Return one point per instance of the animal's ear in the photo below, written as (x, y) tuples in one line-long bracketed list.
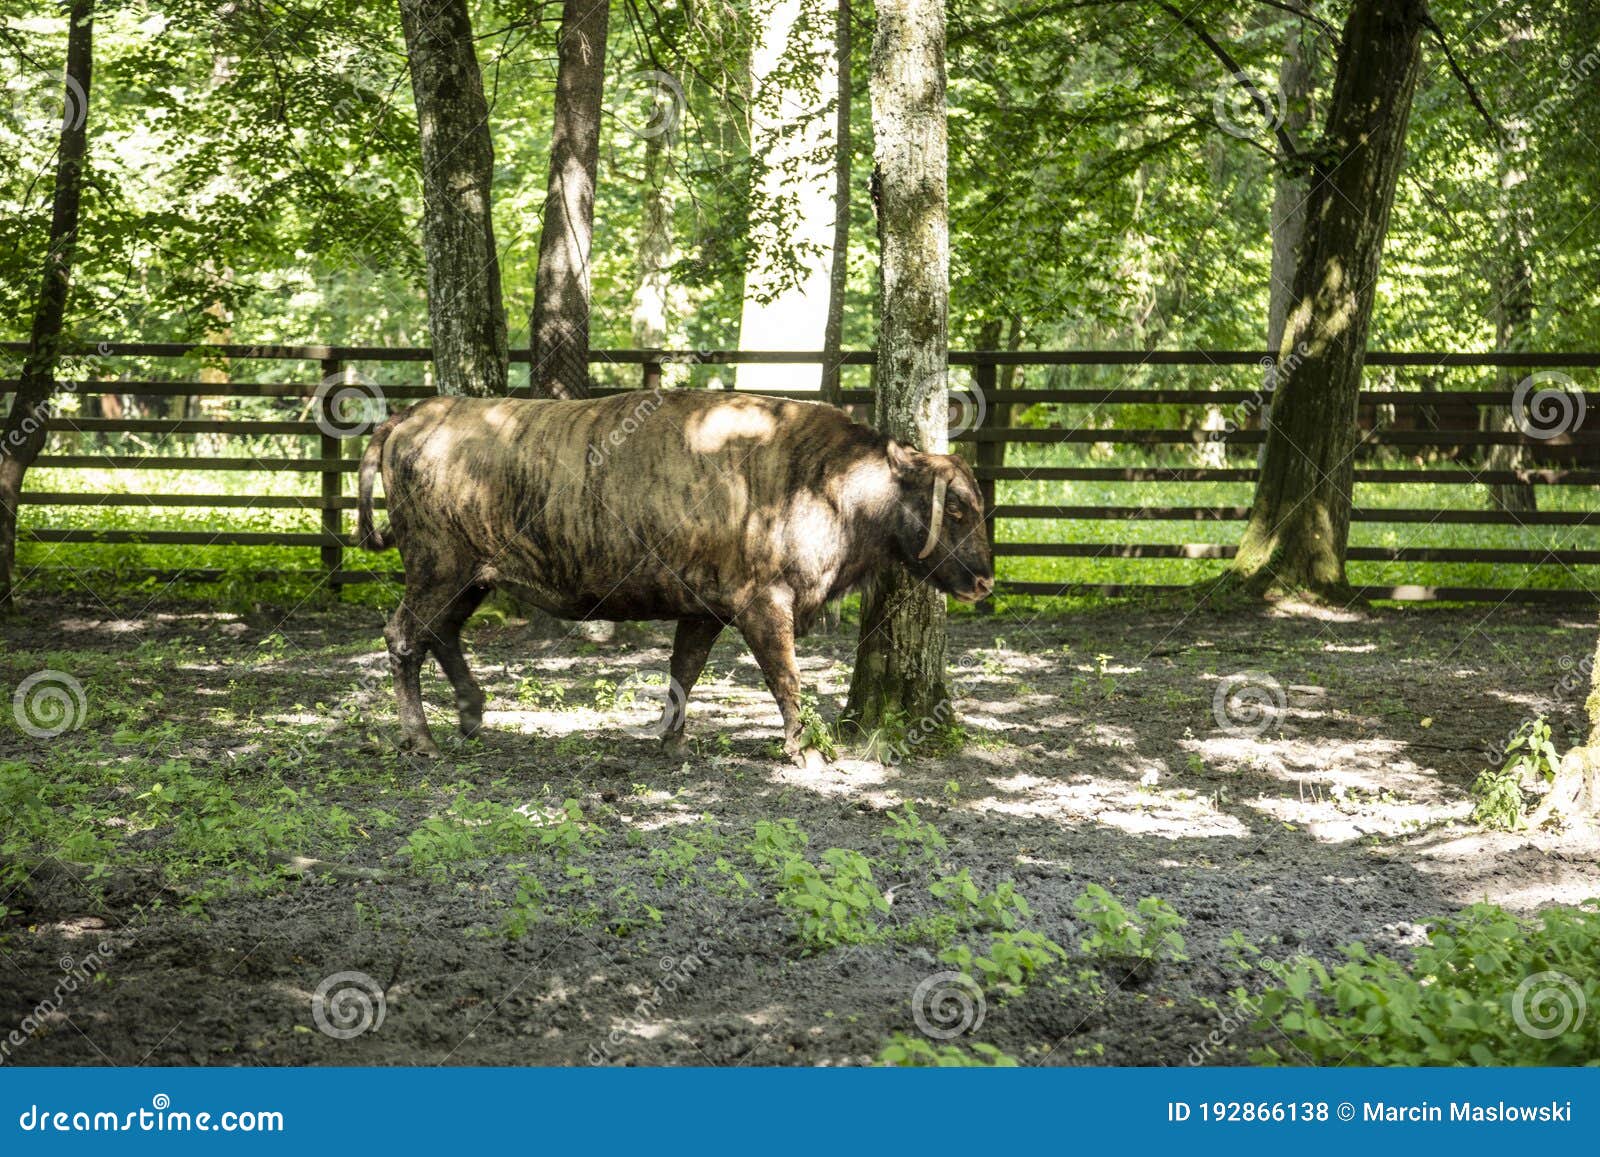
[(901, 459)]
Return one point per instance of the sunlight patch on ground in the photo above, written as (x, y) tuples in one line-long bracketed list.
[(1367, 765), (1115, 803), (848, 777), (1332, 820), (1533, 868)]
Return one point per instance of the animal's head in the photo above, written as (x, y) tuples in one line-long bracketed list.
[(939, 532)]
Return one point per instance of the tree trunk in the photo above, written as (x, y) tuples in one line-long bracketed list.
[(1513, 291), (839, 272), (787, 279), (465, 314), (1575, 794), (650, 299), (24, 432), (559, 327), (900, 657), (1300, 520), (1297, 84)]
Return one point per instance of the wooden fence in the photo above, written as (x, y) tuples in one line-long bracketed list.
[(1566, 455)]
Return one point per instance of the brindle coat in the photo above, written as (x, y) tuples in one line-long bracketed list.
[(710, 508)]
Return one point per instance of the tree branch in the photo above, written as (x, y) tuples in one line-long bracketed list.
[(1268, 113), (1432, 26)]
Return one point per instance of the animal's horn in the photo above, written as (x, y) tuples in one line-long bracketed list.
[(937, 517)]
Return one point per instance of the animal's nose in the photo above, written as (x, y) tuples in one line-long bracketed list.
[(983, 587)]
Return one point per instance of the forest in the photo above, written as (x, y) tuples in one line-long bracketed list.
[(916, 533)]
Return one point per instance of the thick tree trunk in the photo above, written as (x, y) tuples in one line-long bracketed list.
[(900, 658), (465, 314), (839, 272), (1300, 520), (24, 432), (1513, 291), (1297, 85), (559, 327)]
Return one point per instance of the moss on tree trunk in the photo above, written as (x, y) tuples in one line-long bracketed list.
[(465, 315), (900, 657)]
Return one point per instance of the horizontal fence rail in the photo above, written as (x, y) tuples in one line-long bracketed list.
[(1393, 422)]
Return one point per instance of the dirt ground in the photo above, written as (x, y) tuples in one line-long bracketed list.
[(1301, 778)]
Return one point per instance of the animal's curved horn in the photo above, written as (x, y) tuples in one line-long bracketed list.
[(936, 518)]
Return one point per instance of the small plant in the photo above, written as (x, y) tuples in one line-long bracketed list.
[(915, 841), (1530, 755), (814, 729), (835, 904), (975, 908), (1152, 937), (775, 842), (1012, 961), (910, 1052)]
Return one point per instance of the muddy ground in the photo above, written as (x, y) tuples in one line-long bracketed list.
[(1301, 778)]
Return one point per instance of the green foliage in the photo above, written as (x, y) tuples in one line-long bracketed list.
[(910, 1052), (1149, 934), (814, 729), (832, 905), (916, 842), (1498, 793), (974, 908), (1488, 988), (1010, 962), (472, 830)]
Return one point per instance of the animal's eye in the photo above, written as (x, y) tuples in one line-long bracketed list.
[(953, 512)]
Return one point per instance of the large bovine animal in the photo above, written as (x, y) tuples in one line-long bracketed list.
[(710, 508)]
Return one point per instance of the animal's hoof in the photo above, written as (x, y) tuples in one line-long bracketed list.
[(810, 758), (674, 745), (471, 726), (424, 748)]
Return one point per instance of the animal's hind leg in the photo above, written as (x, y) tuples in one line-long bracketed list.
[(406, 652), (691, 647), (444, 640)]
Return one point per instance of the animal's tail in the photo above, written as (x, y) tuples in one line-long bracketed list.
[(369, 537)]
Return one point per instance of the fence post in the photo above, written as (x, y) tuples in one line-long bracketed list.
[(990, 454), (651, 379), (332, 479)]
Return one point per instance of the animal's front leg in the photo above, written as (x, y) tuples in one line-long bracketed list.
[(768, 626), (691, 647)]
